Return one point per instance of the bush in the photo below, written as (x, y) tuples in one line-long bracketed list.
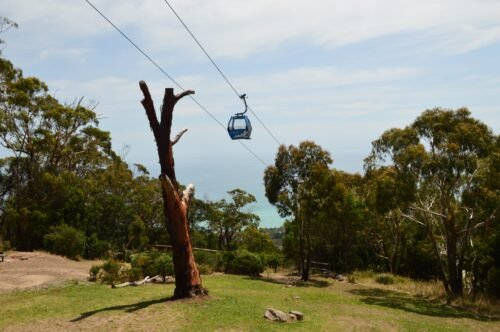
[(5, 245), (134, 274), (163, 265), (108, 272), (65, 240), (273, 260), (384, 279), (144, 262), (152, 263), (243, 262), (93, 272), (493, 282), (205, 269), (220, 262), (206, 258)]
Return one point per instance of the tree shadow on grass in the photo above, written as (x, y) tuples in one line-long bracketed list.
[(415, 304), (126, 308), (292, 281)]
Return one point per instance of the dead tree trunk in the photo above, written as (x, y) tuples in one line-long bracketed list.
[(187, 276)]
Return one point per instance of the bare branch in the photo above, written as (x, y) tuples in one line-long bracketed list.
[(413, 219), (470, 229), (427, 211), (183, 94), (480, 224), (149, 107), (178, 137)]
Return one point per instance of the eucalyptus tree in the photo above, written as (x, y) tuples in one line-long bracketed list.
[(5, 24), (48, 144), (288, 185), (388, 200), (340, 228), (439, 161), (227, 219), (256, 240)]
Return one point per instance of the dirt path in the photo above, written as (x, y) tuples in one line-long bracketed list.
[(22, 270)]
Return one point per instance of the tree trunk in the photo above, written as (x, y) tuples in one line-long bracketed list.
[(453, 268), (441, 264), (187, 276), (302, 256), (307, 263), (395, 254)]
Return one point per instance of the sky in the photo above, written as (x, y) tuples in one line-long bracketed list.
[(339, 73)]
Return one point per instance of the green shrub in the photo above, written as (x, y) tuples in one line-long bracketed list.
[(93, 272), (243, 262), (273, 260), (206, 258), (384, 279), (152, 263), (205, 269), (5, 245), (226, 260), (220, 262), (109, 272), (163, 265), (134, 274), (127, 273), (65, 240), (144, 262), (493, 282)]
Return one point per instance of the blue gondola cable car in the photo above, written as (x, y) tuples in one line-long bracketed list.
[(239, 126)]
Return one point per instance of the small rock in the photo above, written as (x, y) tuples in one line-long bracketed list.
[(275, 315), (282, 317), (298, 314), (270, 316), (296, 297), (340, 277)]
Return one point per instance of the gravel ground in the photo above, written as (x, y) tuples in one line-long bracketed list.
[(22, 270)]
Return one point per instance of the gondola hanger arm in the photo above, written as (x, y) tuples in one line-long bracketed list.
[(244, 98)]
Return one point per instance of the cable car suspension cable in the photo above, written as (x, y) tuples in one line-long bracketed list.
[(220, 71), (170, 77)]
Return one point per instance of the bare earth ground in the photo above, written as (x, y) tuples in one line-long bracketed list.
[(22, 270)]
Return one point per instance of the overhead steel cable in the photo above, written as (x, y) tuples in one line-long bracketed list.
[(169, 77), (219, 70)]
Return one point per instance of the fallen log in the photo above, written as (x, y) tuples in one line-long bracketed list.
[(130, 283), (157, 278), (160, 279)]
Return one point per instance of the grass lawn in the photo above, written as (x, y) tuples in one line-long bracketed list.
[(236, 303)]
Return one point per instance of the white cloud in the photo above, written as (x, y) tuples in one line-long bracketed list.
[(240, 28)]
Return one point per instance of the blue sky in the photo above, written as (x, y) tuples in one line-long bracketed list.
[(336, 72)]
